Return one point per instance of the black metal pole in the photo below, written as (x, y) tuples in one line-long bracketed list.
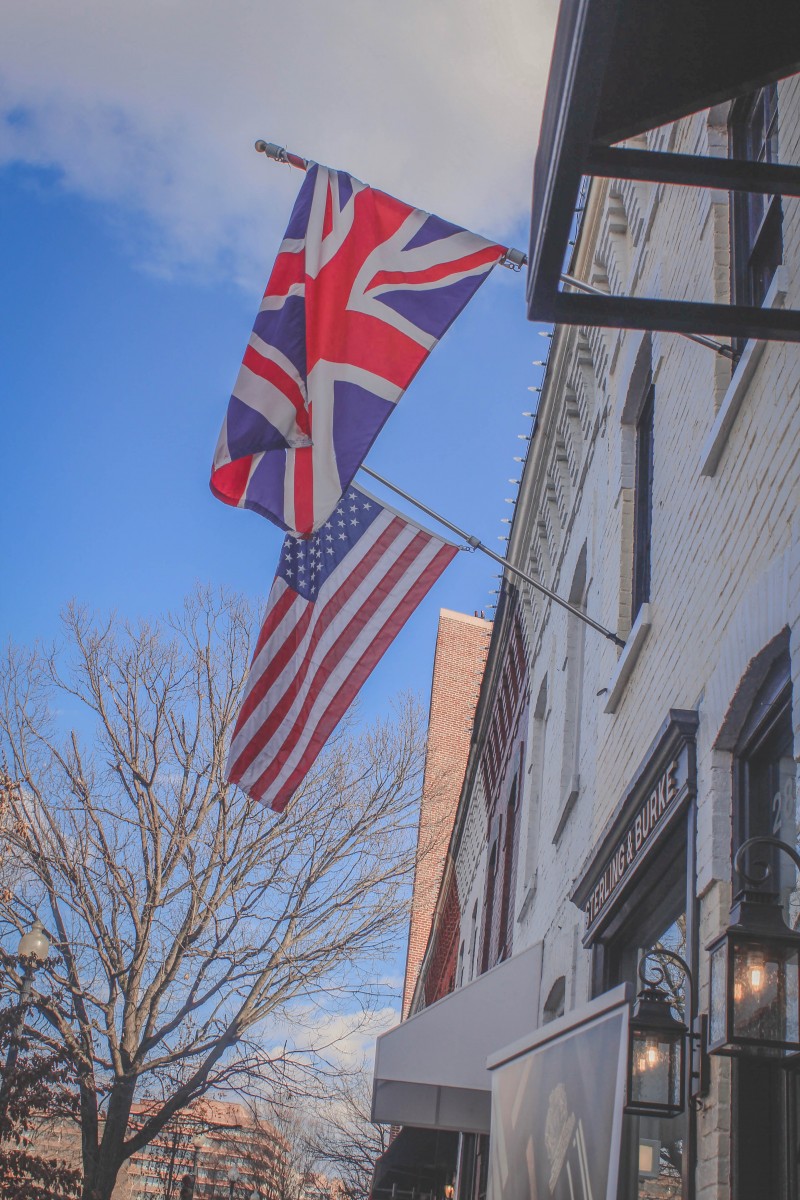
[(13, 1048)]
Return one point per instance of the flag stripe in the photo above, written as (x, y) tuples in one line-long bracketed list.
[(289, 270), (436, 273), (337, 602)]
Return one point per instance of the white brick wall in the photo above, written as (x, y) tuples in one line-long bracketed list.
[(725, 552)]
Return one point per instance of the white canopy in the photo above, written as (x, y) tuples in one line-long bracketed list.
[(430, 1071)]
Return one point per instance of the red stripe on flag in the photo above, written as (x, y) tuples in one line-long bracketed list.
[(360, 673), (289, 269), (229, 481), (304, 490), (269, 370), (482, 258)]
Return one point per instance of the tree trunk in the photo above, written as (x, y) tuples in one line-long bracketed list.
[(101, 1174)]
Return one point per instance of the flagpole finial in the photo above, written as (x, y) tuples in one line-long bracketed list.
[(280, 154)]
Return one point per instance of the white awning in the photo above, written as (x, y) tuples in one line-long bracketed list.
[(430, 1071)]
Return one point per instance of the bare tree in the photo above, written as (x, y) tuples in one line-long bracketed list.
[(346, 1142), (191, 927), (290, 1119)]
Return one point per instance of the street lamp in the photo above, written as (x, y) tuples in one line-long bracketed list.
[(199, 1142), (233, 1179), (32, 951), (754, 997)]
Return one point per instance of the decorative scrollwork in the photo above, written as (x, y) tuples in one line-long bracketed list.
[(765, 870), (661, 976)]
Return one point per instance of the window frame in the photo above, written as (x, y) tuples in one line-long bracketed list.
[(643, 501), (756, 253)]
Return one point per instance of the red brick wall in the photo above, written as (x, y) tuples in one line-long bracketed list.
[(440, 977), (461, 646)]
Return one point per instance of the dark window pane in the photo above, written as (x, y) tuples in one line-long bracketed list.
[(756, 239), (643, 504)]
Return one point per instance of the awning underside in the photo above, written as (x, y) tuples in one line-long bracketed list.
[(430, 1071)]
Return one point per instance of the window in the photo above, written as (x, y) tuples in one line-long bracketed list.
[(765, 1097), (488, 909), (573, 697), (473, 940), (756, 240), (536, 769), (503, 936), (554, 1004), (643, 502)]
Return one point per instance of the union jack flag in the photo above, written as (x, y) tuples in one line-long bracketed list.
[(337, 603), (362, 289)]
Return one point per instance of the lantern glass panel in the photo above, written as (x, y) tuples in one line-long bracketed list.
[(717, 1029), (656, 1070), (765, 992)]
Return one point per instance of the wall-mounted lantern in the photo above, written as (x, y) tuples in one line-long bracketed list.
[(656, 1046), (657, 1042), (754, 1005)]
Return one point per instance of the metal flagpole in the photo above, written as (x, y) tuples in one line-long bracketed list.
[(476, 544), (515, 260)]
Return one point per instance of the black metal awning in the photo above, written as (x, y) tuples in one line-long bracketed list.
[(621, 67)]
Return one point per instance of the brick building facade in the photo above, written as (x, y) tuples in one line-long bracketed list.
[(462, 643), (660, 496)]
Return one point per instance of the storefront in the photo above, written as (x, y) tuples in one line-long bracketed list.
[(638, 894)]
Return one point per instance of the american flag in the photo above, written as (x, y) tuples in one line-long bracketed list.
[(337, 603), (362, 289)]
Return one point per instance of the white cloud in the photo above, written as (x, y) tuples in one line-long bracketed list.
[(152, 107), (345, 1040)]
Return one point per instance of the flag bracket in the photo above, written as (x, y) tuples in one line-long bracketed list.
[(515, 260), (477, 544)]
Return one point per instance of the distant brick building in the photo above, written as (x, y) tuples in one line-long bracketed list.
[(462, 644), (218, 1144)]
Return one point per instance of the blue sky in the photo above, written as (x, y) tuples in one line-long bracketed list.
[(138, 229)]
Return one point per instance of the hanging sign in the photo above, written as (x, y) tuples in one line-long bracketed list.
[(557, 1103), (662, 787)]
